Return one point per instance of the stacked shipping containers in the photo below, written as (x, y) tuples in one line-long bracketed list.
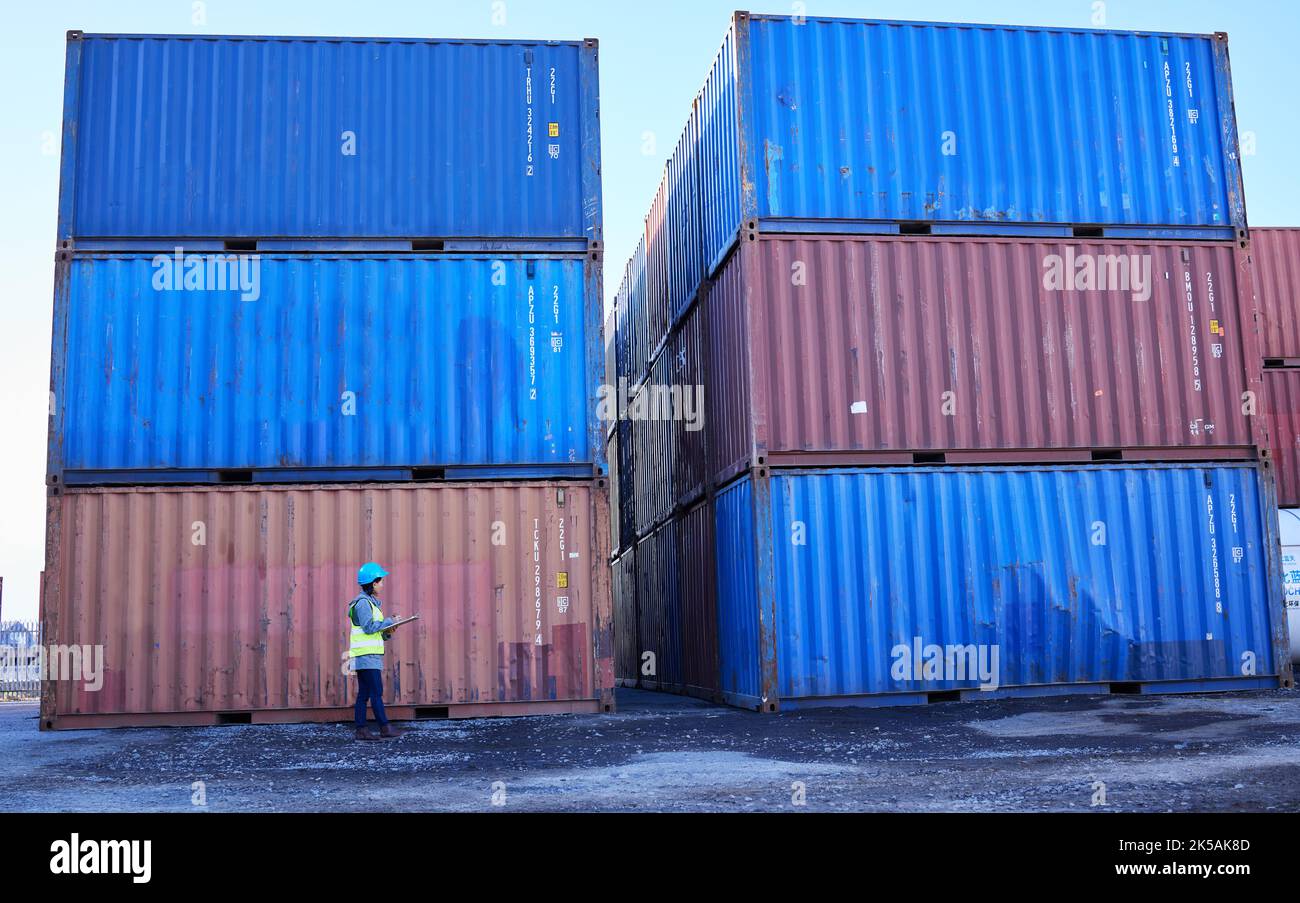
[(974, 374), (1276, 256), (320, 301)]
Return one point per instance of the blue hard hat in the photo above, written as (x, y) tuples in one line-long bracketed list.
[(370, 572)]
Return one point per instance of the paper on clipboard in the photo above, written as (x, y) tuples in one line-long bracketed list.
[(400, 621)]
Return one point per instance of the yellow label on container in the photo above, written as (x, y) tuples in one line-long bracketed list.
[(562, 579), (553, 130), (1214, 327)]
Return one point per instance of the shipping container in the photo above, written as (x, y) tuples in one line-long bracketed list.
[(386, 365), (1276, 254), (626, 510), (659, 611), (699, 601), (228, 604), (623, 582), (484, 144), (687, 395), (888, 349), (835, 586), (1281, 405), (653, 431), (811, 124)]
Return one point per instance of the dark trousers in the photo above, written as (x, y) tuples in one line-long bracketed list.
[(370, 688)]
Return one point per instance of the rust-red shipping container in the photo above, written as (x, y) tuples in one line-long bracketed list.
[(1276, 253), (221, 604), (1282, 406), (846, 350)]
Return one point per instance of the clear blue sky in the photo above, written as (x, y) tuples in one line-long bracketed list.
[(654, 56)]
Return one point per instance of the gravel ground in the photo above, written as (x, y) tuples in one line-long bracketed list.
[(1220, 752)]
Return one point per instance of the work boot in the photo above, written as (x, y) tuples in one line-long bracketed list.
[(364, 733), (388, 732)]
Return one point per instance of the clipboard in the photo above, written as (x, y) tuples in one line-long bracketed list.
[(400, 621)]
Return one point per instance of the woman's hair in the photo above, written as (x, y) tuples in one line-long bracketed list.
[(368, 588)]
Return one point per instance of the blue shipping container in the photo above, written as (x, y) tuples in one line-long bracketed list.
[(376, 361), (330, 138), (839, 583), (846, 125)]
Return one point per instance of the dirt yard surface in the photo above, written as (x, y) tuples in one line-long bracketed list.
[(1222, 752)]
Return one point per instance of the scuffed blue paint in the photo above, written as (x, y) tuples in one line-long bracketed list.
[(444, 360), (738, 631), (1076, 575), (275, 137), (853, 120)]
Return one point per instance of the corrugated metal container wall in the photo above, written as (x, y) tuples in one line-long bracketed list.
[(234, 599), (687, 366), (615, 487), (1122, 573), (699, 623), (659, 264), (653, 433), (638, 316), (659, 610), (819, 141), (728, 440), (734, 534), (610, 377), (625, 617), (681, 233), (268, 137), (720, 186), (626, 510), (1276, 253), (900, 344), (1282, 408), (438, 357)]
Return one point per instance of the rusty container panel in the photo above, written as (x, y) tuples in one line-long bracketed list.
[(699, 621), (903, 345), (1282, 407), (623, 581), (688, 422), (659, 611), (658, 269), (229, 599), (1276, 253)]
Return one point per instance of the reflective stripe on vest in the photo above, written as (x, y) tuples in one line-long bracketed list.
[(365, 643)]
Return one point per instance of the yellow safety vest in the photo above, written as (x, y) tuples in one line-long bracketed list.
[(365, 643)]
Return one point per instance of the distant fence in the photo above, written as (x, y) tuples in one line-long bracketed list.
[(20, 661)]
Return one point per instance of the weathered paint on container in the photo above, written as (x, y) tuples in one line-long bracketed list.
[(659, 611), (220, 600), (1281, 405), (882, 560), (1276, 254), (341, 362), (198, 136), (901, 345), (818, 124)]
